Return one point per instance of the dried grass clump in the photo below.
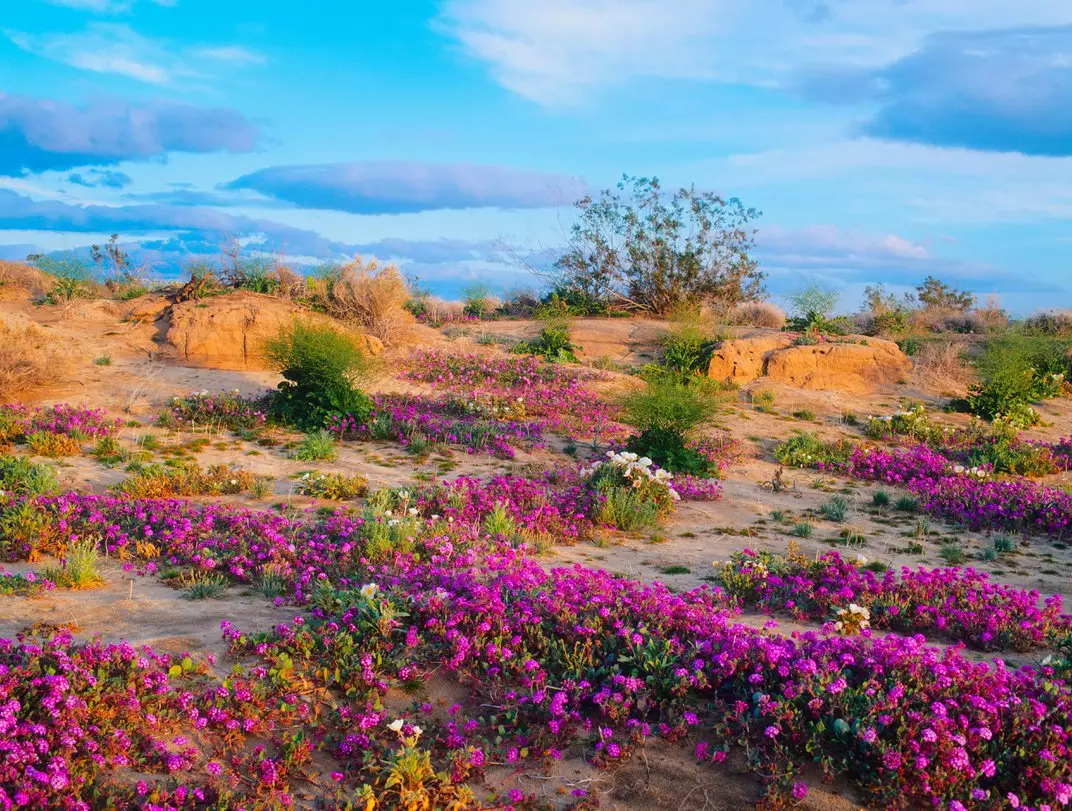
(367, 296)
(20, 280)
(762, 314)
(28, 359)
(940, 365)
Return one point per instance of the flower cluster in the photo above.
(959, 604)
(17, 422)
(415, 421)
(214, 411)
(552, 393)
(23, 584)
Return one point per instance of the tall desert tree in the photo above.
(640, 248)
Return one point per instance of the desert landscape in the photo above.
(353, 546)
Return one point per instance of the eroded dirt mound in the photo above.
(856, 368)
(229, 332)
(743, 360)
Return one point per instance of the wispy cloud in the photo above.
(397, 187)
(100, 178)
(116, 48)
(105, 6)
(40, 134)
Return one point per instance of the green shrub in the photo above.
(1015, 371)
(808, 450)
(552, 344)
(805, 414)
(21, 476)
(835, 509)
(478, 301)
(667, 414)
(686, 349)
(79, 567)
(317, 446)
(803, 529)
(908, 504)
(627, 510)
(880, 498)
(321, 368)
(763, 400)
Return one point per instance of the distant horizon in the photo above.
(884, 142)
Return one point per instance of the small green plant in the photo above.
(21, 476)
(78, 570)
(835, 509)
(553, 344)
(686, 347)
(627, 510)
(103, 360)
(763, 400)
(332, 486)
(853, 536)
(109, 452)
(989, 554)
(808, 450)
(908, 504)
(199, 584)
(952, 554)
(803, 529)
(804, 414)
(923, 527)
(317, 446)
(499, 522)
(1004, 544)
(778, 515)
(880, 498)
(675, 568)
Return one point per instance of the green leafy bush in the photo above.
(808, 450)
(667, 414)
(686, 349)
(1015, 371)
(316, 446)
(553, 343)
(19, 475)
(321, 368)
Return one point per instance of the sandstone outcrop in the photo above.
(743, 360)
(229, 331)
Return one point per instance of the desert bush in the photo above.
(317, 446)
(45, 443)
(763, 314)
(364, 295)
(552, 344)
(20, 476)
(934, 293)
(809, 450)
(640, 249)
(812, 308)
(940, 364)
(202, 283)
(1015, 371)
(519, 304)
(78, 569)
(667, 414)
(72, 281)
(478, 301)
(159, 481)
(687, 347)
(1049, 322)
(321, 369)
(332, 486)
(28, 359)
(564, 300)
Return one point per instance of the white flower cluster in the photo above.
(976, 472)
(638, 469)
(859, 616)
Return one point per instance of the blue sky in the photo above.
(884, 140)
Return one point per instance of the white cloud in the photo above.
(116, 48)
(104, 6)
(558, 51)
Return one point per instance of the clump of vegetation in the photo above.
(109, 452)
(332, 486)
(803, 529)
(809, 450)
(552, 344)
(1016, 371)
(667, 413)
(880, 498)
(763, 314)
(763, 400)
(321, 369)
(364, 295)
(202, 584)
(46, 443)
(78, 569)
(189, 479)
(20, 476)
(639, 249)
(812, 308)
(317, 446)
(72, 281)
(687, 345)
(478, 301)
(836, 509)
